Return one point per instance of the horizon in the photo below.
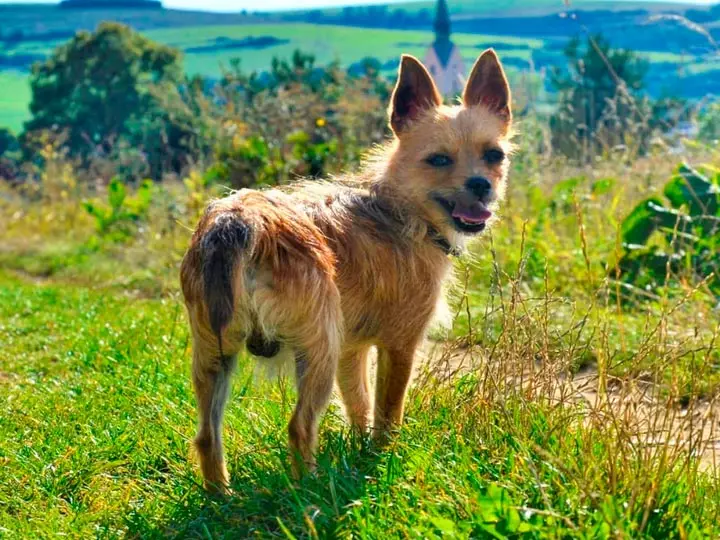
(234, 6)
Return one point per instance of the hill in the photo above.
(530, 36)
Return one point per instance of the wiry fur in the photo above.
(328, 270)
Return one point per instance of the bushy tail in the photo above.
(220, 249)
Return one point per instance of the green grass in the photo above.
(99, 416)
(14, 99)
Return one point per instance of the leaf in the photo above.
(689, 187)
(144, 194)
(602, 186)
(564, 189)
(649, 216)
(637, 227)
(116, 194)
(444, 525)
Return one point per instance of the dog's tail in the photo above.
(220, 249)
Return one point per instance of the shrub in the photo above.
(117, 219)
(682, 240)
(115, 87)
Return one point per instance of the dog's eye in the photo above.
(494, 156)
(439, 160)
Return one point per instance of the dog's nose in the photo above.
(478, 186)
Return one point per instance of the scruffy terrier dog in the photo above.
(330, 270)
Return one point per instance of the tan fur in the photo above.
(331, 270)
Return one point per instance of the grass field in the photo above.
(547, 411)
(14, 99)
(327, 43)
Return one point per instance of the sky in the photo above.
(267, 5)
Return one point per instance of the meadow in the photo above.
(548, 409)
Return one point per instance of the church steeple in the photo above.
(441, 25)
(443, 58)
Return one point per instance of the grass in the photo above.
(14, 99)
(548, 410)
(99, 416)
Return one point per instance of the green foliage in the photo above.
(113, 89)
(8, 142)
(680, 241)
(116, 219)
(314, 155)
(298, 120)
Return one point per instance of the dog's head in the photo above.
(452, 161)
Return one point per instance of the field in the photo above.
(547, 410)
(14, 99)
(327, 43)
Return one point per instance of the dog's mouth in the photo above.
(466, 217)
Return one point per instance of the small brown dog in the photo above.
(331, 270)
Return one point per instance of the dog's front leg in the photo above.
(393, 375)
(352, 381)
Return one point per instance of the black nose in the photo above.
(478, 186)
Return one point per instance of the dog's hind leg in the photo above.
(315, 377)
(306, 312)
(211, 380)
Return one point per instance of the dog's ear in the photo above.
(488, 85)
(415, 92)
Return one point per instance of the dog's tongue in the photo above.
(472, 213)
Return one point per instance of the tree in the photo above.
(115, 88)
(600, 97)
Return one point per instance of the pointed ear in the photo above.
(488, 85)
(415, 92)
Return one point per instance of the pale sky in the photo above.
(268, 5)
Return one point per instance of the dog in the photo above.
(330, 270)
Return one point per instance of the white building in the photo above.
(443, 58)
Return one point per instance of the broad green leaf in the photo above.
(637, 227)
(444, 525)
(144, 194)
(565, 188)
(689, 187)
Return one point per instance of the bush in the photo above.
(682, 240)
(115, 87)
(709, 124)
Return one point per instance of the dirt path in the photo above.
(647, 414)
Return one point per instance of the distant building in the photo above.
(443, 56)
(111, 4)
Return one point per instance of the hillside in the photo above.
(530, 36)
